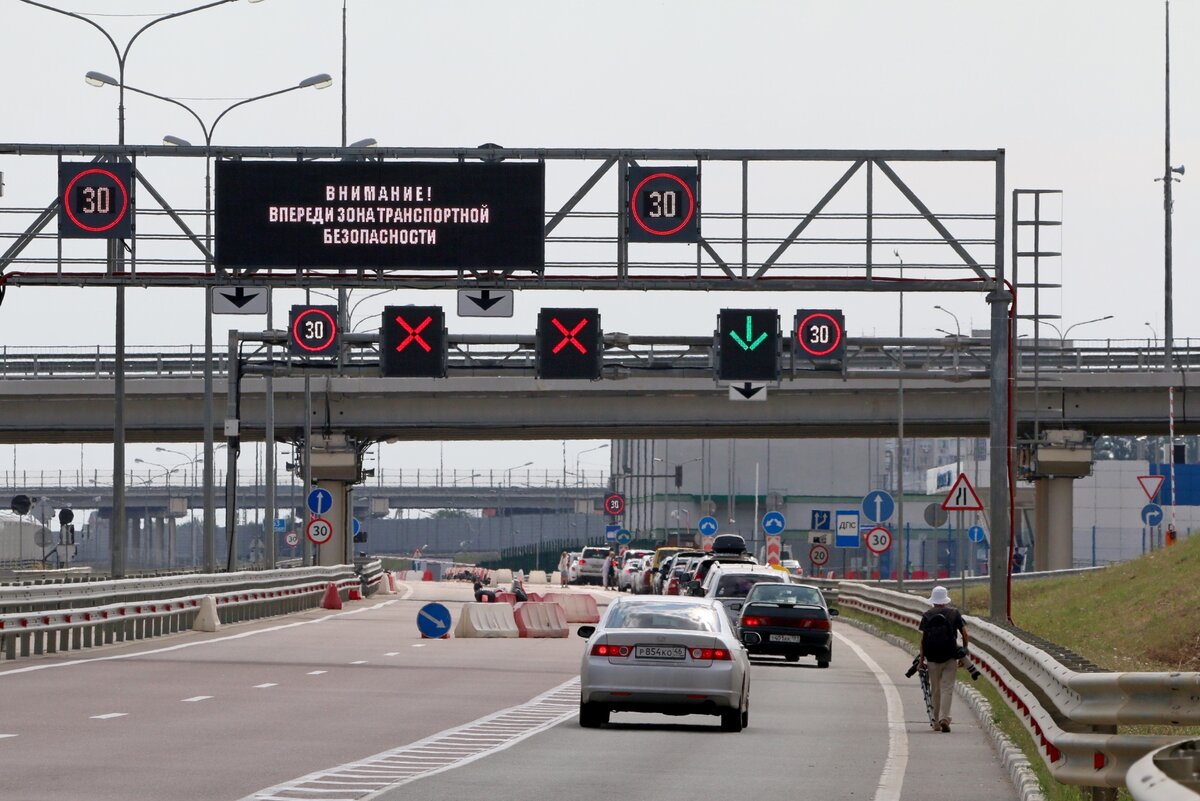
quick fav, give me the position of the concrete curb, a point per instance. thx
(1022, 776)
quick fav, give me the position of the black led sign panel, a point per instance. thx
(663, 204)
(96, 200)
(748, 345)
(569, 344)
(412, 342)
(415, 215)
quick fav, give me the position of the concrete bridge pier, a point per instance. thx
(1053, 463)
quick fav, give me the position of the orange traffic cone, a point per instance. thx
(355, 594)
(331, 600)
(428, 576)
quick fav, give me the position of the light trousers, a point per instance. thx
(941, 687)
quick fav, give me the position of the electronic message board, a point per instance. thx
(418, 215)
(96, 200)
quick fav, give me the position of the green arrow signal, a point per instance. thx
(749, 343)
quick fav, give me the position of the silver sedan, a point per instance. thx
(674, 655)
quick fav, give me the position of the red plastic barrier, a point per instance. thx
(536, 619)
(579, 607)
(428, 576)
(920, 574)
(943, 574)
(506, 598)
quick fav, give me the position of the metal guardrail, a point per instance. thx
(1170, 773)
(56, 617)
(1072, 715)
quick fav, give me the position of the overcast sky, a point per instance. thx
(1072, 90)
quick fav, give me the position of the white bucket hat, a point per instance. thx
(939, 596)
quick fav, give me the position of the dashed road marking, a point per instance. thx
(317, 672)
(2, 736)
(109, 715)
(265, 686)
(359, 662)
(195, 698)
(440, 752)
(392, 653)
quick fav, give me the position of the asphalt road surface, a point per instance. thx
(354, 705)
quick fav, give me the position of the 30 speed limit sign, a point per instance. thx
(879, 539)
(292, 538)
(818, 554)
(319, 531)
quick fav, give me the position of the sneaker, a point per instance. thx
(944, 723)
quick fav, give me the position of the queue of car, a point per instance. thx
(681, 645)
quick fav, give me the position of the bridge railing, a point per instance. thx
(1071, 708)
(52, 617)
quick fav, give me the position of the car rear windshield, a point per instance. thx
(680, 617)
(785, 594)
(595, 553)
(738, 585)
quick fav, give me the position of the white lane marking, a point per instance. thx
(2, 736)
(110, 715)
(891, 778)
(196, 698)
(392, 653)
(418, 645)
(368, 778)
(316, 672)
(265, 686)
(197, 643)
(359, 662)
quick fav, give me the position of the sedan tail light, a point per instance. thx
(610, 651)
(714, 654)
(751, 621)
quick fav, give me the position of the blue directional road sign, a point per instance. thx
(624, 537)
(975, 533)
(708, 525)
(355, 525)
(610, 532)
(878, 506)
(1152, 514)
(773, 522)
(847, 534)
(821, 520)
(320, 501)
(280, 525)
(433, 621)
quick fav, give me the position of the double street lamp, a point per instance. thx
(319, 81)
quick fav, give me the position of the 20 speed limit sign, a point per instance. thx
(879, 539)
(319, 531)
(818, 554)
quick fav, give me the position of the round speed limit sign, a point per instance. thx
(292, 539)
(319, 531)
(879, 539)
(818, 554)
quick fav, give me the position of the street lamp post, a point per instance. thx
(115, 265)
(320, 81)
(578, 479)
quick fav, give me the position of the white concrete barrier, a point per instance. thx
(541, 620)
(486, 620)
(537, 577)
(555, 579)
(580, 607)
(502, 578)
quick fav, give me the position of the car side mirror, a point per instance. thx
(693, 587)
(586, 631)
(736, 607)
(751, 637)
(833, 613)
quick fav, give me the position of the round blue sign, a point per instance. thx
(624, 536)
(975, 533)
(1152, 514)
(708, 525)
(773, 522)
(433, 621)
(878, 506)
(320, 501)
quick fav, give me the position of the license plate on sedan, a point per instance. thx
(659, 651)
(785, 638)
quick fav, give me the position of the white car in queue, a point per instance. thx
(674, 655)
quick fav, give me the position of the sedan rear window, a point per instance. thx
(737, 586)
(785, 594)
(595, 553)
(664, 616)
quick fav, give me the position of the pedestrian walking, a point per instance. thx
(940, 652)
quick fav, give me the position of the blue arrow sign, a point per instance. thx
(1152, 514)
(433, 621)
(821, 520)
(975, 533)
(773, 522)
(624, 537)
(320, 501)
(355, 526)
(708, 525)
(878, 506)
(610, 532)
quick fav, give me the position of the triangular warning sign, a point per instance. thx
(962, 497)
(1150, 485)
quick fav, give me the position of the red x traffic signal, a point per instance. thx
(569, 343)
(412, 342)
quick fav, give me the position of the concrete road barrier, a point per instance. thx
(579, 607)
(537, 577)
(486, 620)
(502, 578)
(541, 620)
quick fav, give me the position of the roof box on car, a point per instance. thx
(729, 543)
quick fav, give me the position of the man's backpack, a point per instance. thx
(938, 640)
